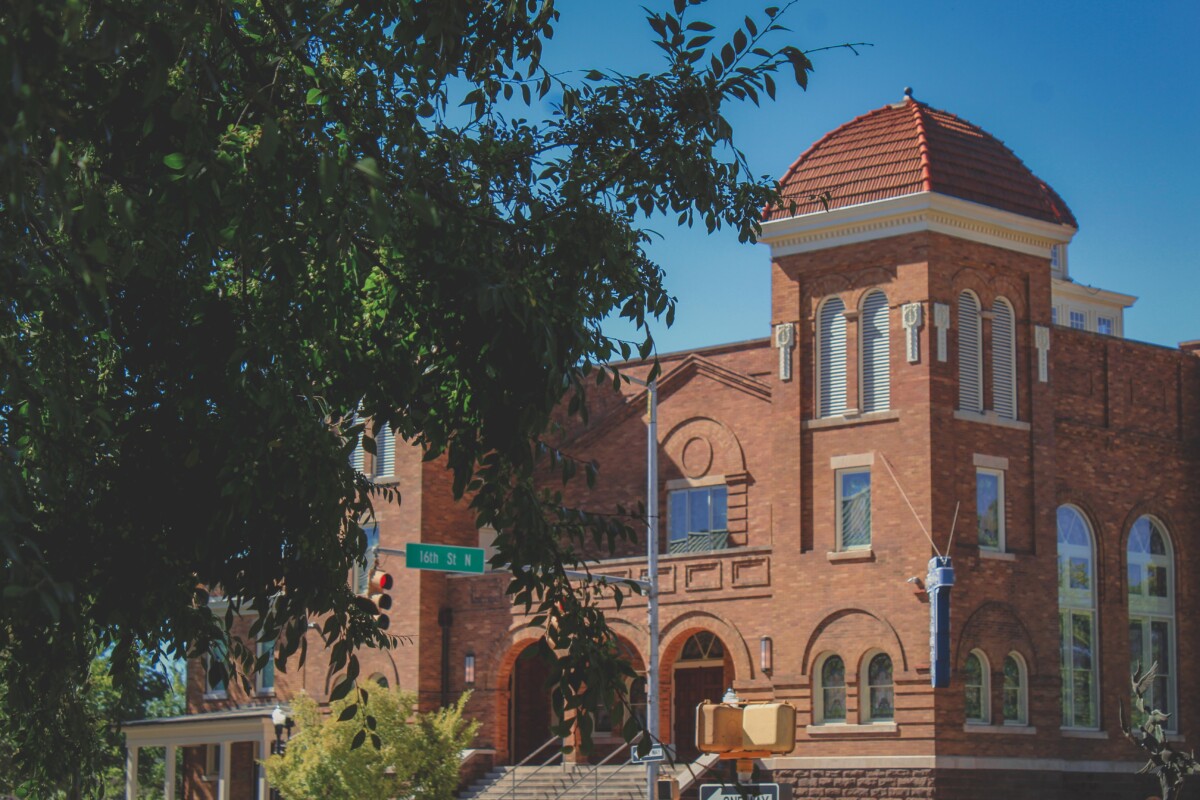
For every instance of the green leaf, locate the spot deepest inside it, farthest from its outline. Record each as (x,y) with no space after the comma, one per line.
(313,97)
(349,712)
(174,161)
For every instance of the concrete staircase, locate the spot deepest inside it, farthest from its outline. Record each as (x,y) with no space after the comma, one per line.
(559,782)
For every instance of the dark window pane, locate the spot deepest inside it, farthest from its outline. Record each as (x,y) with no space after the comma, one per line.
(1157,579)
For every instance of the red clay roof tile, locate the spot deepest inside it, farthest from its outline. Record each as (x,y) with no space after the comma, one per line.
(908,148)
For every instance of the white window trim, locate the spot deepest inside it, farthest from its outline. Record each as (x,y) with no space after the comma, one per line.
(211,693)
(819,693)
(837,488)
(1022,721)
(985,687)
(990,462)
(1002,541)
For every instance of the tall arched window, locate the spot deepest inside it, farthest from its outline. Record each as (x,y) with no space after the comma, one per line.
(970,354)
(1016,690)
(1004,359)
(1152,609)
(831,346)
(881,699)
(831,692)
(875,339)
(1077,619)
(976,674)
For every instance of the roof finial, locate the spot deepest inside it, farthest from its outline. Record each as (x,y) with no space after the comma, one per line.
(908,93)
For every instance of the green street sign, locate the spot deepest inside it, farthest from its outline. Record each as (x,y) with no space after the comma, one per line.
(443,557)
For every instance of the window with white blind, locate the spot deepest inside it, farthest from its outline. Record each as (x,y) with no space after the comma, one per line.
(357,459)
(1004,359)
(385,453)
(970,354)
(876,377)
(831,358)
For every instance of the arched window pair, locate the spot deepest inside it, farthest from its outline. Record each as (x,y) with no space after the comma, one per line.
(873,356)
(970,356)
(877,704)
(977,683)
(1151,599)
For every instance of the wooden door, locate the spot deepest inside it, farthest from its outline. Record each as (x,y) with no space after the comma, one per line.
(529,704)
(693,686)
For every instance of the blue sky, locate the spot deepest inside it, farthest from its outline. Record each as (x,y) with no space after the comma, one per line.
(1100,99)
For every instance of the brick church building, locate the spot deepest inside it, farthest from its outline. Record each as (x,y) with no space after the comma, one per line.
(935,379)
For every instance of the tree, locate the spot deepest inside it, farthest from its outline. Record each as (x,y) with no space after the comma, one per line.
(86,732)
(414,755)
(233,231)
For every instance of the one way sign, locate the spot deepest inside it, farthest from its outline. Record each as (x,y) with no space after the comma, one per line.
(747,791)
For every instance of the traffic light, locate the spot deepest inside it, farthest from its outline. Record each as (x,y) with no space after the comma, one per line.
(378,584)
(730,729)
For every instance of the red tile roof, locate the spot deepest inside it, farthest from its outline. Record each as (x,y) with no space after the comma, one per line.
(907,148)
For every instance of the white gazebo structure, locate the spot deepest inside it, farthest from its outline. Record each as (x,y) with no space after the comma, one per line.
(216,728)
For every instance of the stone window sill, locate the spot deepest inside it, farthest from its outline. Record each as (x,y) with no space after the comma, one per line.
(1079,733)
(852,729)
(1025,730)
(997,555)
(851,556)
(992,418)
(850,418)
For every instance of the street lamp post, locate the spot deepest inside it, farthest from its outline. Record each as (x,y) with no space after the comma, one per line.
(281,721)
(651,584)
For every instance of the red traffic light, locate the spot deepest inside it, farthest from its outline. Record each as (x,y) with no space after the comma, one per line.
(379,581)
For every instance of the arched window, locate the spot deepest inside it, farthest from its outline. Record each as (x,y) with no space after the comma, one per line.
(970,354)
(976,673)
(379,679)
(831,359)
(881,701)
(876,370)
(1004,359)
(1152,610)
(1077,620)
(702,646)
(1016,690)
(830,696)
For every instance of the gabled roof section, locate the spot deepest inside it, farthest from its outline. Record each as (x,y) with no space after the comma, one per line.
(689,367)
(908,148)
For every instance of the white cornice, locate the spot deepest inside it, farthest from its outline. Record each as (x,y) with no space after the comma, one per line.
(924,211)
(1090,294)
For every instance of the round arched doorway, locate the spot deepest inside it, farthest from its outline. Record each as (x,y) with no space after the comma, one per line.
(529,710)
(699,675)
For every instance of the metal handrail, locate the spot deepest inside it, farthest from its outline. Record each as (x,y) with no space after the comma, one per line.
(595,770)
(524,761)
(595,790)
